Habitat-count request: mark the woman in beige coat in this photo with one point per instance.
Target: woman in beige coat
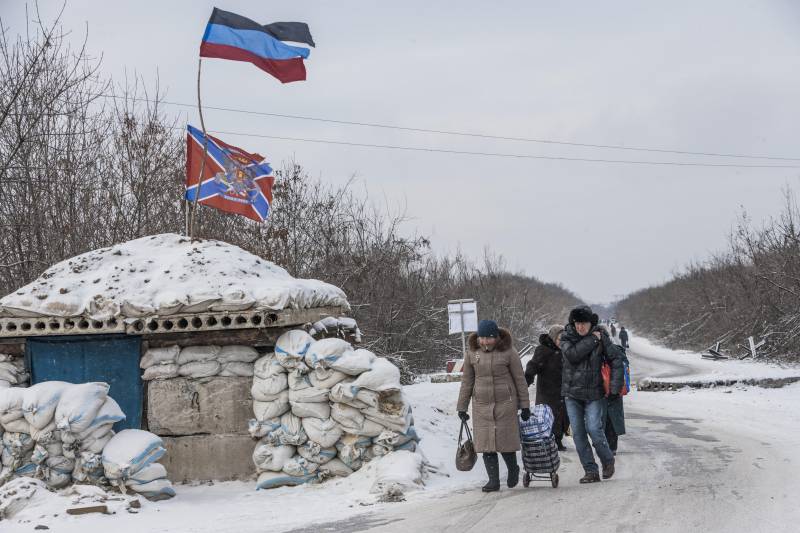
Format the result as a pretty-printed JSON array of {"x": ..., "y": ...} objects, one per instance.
[{"x": 495, "y": 382}]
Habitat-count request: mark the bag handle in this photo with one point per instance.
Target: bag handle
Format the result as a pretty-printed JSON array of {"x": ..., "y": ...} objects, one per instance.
[{"x": 464, "y": 426}]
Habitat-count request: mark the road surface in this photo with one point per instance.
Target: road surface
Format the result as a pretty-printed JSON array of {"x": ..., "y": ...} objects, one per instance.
[{"x": 691, "y": 461}]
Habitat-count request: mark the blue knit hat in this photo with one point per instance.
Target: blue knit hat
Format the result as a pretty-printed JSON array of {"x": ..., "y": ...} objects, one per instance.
[{"x": 488, "y": 328}]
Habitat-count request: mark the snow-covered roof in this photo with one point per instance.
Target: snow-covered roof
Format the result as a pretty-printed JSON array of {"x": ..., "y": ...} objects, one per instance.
[{"x": 163, "y": 275}]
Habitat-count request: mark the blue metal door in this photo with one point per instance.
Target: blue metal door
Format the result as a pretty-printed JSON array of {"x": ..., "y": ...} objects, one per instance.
[{"x": 80, "y": 359}]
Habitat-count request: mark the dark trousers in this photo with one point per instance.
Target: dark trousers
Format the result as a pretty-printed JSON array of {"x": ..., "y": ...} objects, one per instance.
[{"x": 611, "y": 435}]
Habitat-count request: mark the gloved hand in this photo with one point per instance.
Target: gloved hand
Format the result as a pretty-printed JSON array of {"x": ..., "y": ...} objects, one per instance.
[
  {"x": 463, "y": 416},
  {"x": 612, "y": 397},
  {"x": 525, "y": 414}
]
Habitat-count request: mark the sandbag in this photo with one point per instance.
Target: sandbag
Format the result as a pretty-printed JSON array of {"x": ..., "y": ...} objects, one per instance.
[
  {"x": 309, "y": 395},
  {"x": 273, "y": 408},
  {"x": 159, "y": 356},
  {"x": 399, "y": 422},
  {"x": 237, "y": 354},
  {"x": 291, "y": 347},
  {"x": 166, "y": 371},
  {"x": 190, "y": 354},
  {"x": 129, "y": 451},
  {"x": 78, "y": 406},
  {"x": 398, "y": 471},
  {"x": 383, "y": 376},
  {"x": 109, "y": 413},
  {"x": 96, "y": 444},
  {"x": 325, "y": 432},
  {"x": 265, "y": 390},
  {"x": 261, "y": 428},
  {"x": 147, "y": 474},
  {"x": 336, "y": 467},
  {"x": 157, "y": 490},
  {"x": 267, "y": 366},
  {"x": 311, "y": 409},
  {"x": 199, "y": 369},
  {"x": 352, "y": 421},
  {"x": 19, "y": 425},
  {"x": 315, "y": 453},
  {"x": 344, "y": 393},
  {"x": 325, "y": 378},
  {"x": 298, "y": 378},
  {"x": 290, "y": 431},
  {"x": 88, "y": 468},
  {"x": 324, "y": 352},
  {"x": 272, "y": 480},
  {"x": 43, "y": 433},
  {"x": 299, "y": 466},
  {"x": 355, "y": 362},
  {"x": 39, "y": 402},
  {"x": 353, "y": 450},
  {"x": 267, "y": 457},
  {"x": 236, "y": 369},
  {"x": 8, "y": 372}
]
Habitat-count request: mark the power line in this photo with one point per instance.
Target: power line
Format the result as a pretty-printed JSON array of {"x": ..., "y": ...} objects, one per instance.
[
  {"x": 460, "y": 133},
  {"x": 498, "y": 154}
]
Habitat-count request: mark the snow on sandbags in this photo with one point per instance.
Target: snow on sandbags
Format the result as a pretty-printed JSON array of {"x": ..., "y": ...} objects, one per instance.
[
  {"x": 382, "y": 377},
  {"x": 79, "y": 405},
  {"x": 39, "y": 402},
  {"x": 397, "y": 473},
  {"x": 129, "y": 456},
  {"x": 333, "y": 326},
  {"x": 291, "y": 347}
]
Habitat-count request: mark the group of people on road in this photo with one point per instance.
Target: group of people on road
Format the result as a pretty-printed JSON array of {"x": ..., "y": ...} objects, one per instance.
[{"x": 567, "y": 369}]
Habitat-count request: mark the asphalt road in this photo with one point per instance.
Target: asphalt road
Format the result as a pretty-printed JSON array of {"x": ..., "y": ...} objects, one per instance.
[{"x": 678, "y": 469}]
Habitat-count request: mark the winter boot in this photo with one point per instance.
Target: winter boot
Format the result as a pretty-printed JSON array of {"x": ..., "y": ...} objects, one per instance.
[
  {"x": 608, "y": 470},
  {"x": 493, "y": 470},
  {"x": 510, "y": 459},
  {"x": 590, "y": 477}
]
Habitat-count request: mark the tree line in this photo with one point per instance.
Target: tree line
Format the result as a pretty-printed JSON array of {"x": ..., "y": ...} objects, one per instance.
[
  {"x": 85, "y": 163},
  {"x": 750, "y": 289}
]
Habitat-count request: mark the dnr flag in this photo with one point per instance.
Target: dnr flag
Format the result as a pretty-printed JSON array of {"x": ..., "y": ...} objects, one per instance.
[
  {"x": 233, "y": 180},
  {"x": 232, "y": 36}
]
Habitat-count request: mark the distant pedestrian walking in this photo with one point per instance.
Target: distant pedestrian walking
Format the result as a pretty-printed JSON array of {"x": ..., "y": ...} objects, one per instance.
[
  {"x": 585, "y": 347},
  {"x": 613, "y": 330},
  {"x": 546, "y": 367},
  {"x": 623, "y": 337},
  {"x": 495, "y": 382}
]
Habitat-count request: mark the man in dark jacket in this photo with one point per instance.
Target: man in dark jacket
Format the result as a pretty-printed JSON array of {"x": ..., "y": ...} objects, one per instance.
[
  {"x": 585, "y": 347},
  {"x": 613, "y": 330},
  {"x": 623, "y": 337},
  {"x": 546, "y": 367}
]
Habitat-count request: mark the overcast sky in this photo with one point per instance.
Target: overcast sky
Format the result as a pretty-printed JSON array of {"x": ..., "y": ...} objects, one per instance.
[{"x": 712, "y": 76}]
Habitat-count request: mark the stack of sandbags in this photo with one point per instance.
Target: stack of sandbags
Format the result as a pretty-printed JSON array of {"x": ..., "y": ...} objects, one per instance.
[
  {"x": 129, "y": 463},
  {"x": 339, "y": 327},
  {"x": 198, "y": 362},
  {"x": 12, "y": 372},
  {"x": 323, "y": 409}
]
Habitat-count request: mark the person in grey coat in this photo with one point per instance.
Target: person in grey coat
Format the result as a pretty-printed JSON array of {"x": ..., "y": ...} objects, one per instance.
[{"x": 623, "y": 337}]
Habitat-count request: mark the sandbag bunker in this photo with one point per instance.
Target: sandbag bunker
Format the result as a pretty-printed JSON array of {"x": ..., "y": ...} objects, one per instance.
[
  {"x": 323, "y": 409},
  {"x": 62, "y": 433}
]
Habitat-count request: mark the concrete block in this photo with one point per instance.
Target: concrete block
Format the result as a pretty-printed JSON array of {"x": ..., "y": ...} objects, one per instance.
[
  {"x": 181, "y": 406},
  {"x": 203, "y": 457}
]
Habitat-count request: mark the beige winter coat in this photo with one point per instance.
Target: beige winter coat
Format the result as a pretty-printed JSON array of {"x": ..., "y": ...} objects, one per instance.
[{"x": 496, "y": 384}]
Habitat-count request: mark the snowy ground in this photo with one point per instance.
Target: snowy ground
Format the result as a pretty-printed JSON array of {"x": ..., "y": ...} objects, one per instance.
[{"x": 696, "y": 460}]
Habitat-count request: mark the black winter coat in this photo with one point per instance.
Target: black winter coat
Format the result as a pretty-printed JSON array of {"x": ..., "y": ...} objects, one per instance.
[
  {"x": 546, "y": 363},
  {"x": 583, "y": 357},
  {"x": 623, "y": 335}
]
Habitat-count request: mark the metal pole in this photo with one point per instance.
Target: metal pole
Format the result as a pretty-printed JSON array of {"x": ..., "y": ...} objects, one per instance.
[
  {"x": 205, "y": 151},
  {"x": 463, "y": 335}
]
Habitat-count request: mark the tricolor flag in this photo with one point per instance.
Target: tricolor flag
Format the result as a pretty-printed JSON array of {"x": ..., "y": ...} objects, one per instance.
[
  {"x": 232, "y": 36},
  {"x": 233, "y": 180}
]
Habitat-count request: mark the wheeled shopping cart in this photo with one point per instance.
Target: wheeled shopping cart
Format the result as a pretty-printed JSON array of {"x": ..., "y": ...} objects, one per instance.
[{"x": 541, "y": 461}]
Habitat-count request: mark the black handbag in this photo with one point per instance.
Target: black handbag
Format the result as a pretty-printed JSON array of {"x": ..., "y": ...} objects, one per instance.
[{"x": 466, "y": 457}]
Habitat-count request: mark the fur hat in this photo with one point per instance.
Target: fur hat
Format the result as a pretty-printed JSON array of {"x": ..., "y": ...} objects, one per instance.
[
  {"x": 488, "y": 328},
  {"x": 554, "y": 331},
  {"x": 582, "y": 313}
]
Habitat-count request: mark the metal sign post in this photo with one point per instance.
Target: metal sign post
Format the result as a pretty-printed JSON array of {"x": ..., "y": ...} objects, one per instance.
[{"x": 463, "y": 318}]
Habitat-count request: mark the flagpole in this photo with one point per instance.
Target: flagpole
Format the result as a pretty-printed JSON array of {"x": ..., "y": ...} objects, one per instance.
[{"x": 205, "y": 151}]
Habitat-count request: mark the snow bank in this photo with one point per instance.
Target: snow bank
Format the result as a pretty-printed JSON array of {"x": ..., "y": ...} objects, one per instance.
[{"x": 162, "y": 275}]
